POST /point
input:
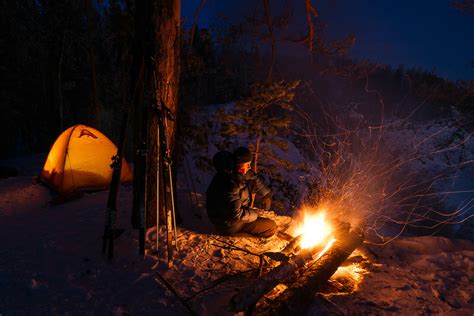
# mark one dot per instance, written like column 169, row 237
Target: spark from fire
column 388, row 174
column 314, row 230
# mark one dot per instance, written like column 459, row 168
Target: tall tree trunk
column 164, row 65
column 60, row 89
column 257, row 149
column 95, row 110
column 255, row 162
column 137, row 91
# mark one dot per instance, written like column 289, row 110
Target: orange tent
column 80, row 160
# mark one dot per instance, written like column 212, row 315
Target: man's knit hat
column 242, row 155
column 223, row 160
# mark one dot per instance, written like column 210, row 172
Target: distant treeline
column 67, row 62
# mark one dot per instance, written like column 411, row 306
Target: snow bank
column 412, row 276
column 51, row 261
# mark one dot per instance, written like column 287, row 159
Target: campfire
column 312, row 256
column 314, row 230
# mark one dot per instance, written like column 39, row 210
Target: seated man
column 229, row 196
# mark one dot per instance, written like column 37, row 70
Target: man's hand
column 249, row 214
column 262, row 212
column 267, row 202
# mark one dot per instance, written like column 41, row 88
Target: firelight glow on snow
column 314, row 229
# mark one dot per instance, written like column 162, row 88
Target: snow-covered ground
column 442, row 154
column 412, row 276
column 51, row 263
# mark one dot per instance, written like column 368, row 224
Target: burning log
column 318, row 272
column 251, row 294
column 296, row 298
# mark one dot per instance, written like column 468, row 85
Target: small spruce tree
column 264, row 117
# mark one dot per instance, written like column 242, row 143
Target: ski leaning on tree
column 229, row 196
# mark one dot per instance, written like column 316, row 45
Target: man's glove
column 249, row 215
column 263, row 213
column 267, row 202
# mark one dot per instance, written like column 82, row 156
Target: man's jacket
column 229, row 196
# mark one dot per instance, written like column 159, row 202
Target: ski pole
column 169, row 164
column 158, row 161
column 173, row 209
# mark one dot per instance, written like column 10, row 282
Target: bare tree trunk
column 255, row 162
column 137, row 91
column 268, row 20
column 95, row 111
column 257, row 150
column 60, row 89
column 165, row 50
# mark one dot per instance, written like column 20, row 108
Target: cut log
column 313, row 273
column 299, row 295
column 250, row 295
column 284, row 255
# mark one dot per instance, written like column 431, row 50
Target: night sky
column 422, row 33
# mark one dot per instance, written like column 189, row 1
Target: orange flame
column 329, row 244
column 314, row 230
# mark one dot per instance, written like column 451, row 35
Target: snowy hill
column 51, row 263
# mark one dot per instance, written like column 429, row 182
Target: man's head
column 223, row 161
column 242, row 160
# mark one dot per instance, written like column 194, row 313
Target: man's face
column 243, row 168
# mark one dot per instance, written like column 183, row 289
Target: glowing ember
column 351, row 276
column 314, row 230
column 351, row 272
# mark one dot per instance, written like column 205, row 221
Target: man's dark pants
column 261, row 227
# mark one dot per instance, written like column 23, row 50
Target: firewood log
column 299, row 295
column 250, row 295
column 313, row 273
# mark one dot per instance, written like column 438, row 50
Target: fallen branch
column 218, row 281
column 296, row 298
column 234, row 247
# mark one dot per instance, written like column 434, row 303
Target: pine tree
column 264, row 118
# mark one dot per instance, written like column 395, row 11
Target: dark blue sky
column 426, row 33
